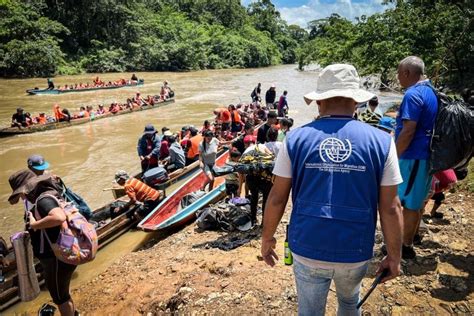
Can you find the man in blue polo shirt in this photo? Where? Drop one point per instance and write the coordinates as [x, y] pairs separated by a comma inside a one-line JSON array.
[[340, 171], [415, 123]]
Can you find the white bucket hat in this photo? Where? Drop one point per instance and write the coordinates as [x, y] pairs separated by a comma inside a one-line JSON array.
[[338, 80]]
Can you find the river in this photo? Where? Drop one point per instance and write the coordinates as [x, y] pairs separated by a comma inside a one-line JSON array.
[[87, 156]]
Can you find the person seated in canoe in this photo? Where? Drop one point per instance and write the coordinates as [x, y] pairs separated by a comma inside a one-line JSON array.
[[149, 148], [134, 77], [97, 81], [176, 159], [138, 193], [101, 110], [114, 107], [41, 118], [138, 99], [192, 146], [19, 119], [150, 100], [165, 148], [61, 115], [81, 113], [50, 84]]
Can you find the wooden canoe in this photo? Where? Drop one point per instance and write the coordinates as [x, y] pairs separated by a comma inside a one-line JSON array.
[[10, 131], [56, 91], [174, 177], [169, 213], [107, 231]]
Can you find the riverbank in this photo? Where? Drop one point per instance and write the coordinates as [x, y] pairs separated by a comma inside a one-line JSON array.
[[189, 273]]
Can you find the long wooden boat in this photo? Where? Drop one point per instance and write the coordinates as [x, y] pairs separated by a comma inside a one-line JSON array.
[[169, 212], [10, 131], [107, 231], [174, 177], [138, 83]]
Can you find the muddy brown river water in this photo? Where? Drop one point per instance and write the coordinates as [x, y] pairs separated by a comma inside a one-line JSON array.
[[87, 156]]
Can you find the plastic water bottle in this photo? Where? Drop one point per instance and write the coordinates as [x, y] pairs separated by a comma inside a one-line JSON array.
[[288, 256]]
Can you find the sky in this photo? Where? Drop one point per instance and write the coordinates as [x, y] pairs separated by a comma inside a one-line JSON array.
[[300, 12]]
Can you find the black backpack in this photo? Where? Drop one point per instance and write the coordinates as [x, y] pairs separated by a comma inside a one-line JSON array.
[[452, 142]]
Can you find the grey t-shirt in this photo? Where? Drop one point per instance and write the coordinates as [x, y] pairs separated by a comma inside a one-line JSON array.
[[209, 155]]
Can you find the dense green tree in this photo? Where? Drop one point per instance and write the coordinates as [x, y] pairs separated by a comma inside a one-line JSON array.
[[29, 42], [440, 32]]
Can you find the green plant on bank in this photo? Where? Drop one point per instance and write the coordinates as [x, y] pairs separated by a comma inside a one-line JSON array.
[[468, 183], [439, 31]]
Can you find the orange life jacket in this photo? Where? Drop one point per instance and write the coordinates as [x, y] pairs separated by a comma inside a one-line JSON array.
[[236, 117], [194, 149], [57, 113]]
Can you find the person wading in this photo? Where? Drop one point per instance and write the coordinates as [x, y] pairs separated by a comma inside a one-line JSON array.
[[340, 171], [270, 97], [415, 123], [149, 148]]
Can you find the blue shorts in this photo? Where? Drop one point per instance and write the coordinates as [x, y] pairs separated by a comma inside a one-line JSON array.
[[416, 183]]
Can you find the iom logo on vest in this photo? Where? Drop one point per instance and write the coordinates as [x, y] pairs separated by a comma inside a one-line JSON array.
[[335, 150]]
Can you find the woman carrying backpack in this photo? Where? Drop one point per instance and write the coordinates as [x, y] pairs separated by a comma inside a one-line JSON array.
[[47, 215]]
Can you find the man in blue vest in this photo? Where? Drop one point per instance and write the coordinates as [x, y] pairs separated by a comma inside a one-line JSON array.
[[415, 123], [340, 171]]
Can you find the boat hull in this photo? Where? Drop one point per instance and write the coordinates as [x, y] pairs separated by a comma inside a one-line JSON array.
[[56, 91], [11, 131], [106, 233], [168, 213]]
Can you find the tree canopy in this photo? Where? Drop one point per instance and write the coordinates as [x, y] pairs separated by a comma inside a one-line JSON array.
[[439, 31], [46, 37]]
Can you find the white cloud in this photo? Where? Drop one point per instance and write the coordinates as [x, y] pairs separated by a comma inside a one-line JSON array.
[[315, 9]]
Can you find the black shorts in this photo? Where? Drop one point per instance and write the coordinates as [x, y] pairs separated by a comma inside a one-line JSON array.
[[236, 127], [57, 275], [225, 127]]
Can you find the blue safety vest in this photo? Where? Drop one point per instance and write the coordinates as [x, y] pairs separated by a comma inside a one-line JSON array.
[[337, 165]]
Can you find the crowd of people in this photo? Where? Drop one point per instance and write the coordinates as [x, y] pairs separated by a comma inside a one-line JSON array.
[[96, 83], [22, 119], [342, 172]]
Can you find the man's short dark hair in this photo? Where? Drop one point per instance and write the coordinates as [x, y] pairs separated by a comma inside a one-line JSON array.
[[235, 153], [272, 134], [248, 126], [285, 92], [272, 114]]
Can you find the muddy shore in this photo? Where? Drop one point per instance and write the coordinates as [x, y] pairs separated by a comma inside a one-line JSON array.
[[189, 272]]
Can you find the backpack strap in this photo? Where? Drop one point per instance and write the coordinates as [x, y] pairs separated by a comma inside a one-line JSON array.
[[37, 215]]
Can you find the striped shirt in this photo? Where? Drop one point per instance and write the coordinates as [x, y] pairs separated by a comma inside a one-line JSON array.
[[139, 191]]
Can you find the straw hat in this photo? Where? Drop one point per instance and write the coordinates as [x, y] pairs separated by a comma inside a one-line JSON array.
[[338, 80]]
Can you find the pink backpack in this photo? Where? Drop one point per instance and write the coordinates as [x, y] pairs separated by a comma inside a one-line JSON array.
[[77, 241]]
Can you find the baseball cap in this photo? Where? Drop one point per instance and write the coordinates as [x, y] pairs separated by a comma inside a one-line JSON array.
[[386, 123], [37, 162]]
